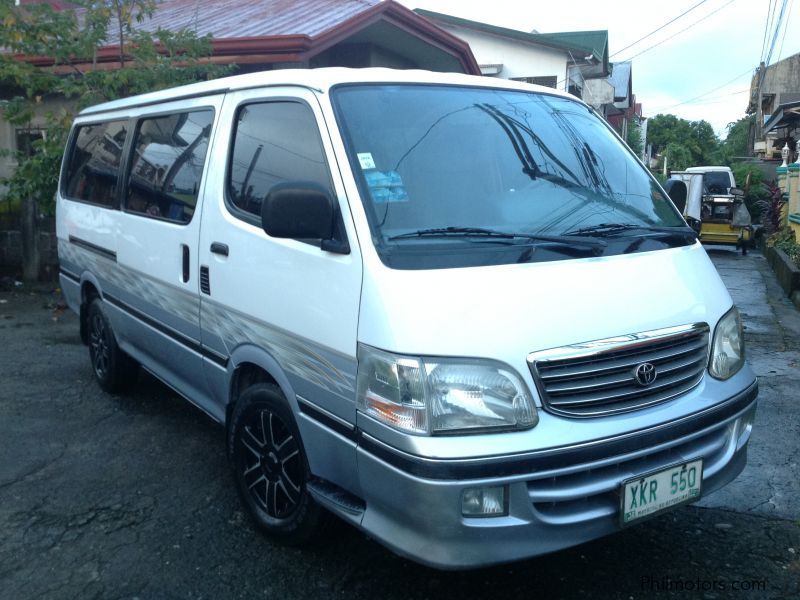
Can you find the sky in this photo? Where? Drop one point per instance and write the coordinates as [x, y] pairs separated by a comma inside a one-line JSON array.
[[701, 64]]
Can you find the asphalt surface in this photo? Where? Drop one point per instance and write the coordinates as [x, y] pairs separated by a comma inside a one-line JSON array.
[[130, 496]]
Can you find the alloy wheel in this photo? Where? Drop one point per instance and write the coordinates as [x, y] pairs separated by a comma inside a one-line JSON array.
[[98, 343], [271, 464]]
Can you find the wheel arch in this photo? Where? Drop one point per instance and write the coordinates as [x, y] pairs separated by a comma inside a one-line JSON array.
[[90, 289], [249, 364]]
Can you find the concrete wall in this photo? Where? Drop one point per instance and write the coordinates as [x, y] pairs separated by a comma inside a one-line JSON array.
[[11, 253], [518, 58], [597, 92], [782, 80]]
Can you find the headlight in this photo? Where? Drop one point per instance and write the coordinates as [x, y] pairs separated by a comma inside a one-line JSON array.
[[436, 395], [727, 350]]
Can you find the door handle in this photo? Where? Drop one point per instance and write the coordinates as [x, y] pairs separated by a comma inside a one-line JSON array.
[[219, 248], [185, 251]]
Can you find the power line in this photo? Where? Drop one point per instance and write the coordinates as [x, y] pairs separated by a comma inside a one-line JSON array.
[[785, 28], [775, 34], [723, 98], [660, 28], [699, 100], [739, 76], [687, 28], [767, 25]]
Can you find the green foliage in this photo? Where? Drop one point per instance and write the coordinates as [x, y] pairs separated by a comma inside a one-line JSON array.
[[679, 155], [751, 179], [145, 61], [784, 239], [634, 138], [697, 138], [736, 142], [772, 208]]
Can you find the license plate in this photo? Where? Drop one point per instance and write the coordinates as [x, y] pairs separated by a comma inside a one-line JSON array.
[[649, 494]]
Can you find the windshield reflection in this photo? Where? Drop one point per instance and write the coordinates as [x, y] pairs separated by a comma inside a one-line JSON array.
[[437, 157]]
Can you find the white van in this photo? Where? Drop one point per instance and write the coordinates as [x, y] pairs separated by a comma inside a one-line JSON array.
[[716, 180], [454, 311]]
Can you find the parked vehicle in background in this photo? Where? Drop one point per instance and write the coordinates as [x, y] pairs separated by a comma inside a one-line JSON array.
[[454, 311], [712, 204]]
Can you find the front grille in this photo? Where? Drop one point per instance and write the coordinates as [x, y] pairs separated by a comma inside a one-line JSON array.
[[591, 491], [599, 378]]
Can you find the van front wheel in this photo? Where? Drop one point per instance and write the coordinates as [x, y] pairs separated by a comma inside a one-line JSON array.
[[113, 369], [270, 467]]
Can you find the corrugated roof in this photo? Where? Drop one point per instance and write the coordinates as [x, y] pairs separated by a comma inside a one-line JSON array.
[[620, 78], [251, 18], [594, 42], [271, 31]]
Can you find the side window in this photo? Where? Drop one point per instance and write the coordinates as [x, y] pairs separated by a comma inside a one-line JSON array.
[[169, 154], [93, 166], [27, 139], [274, 142]]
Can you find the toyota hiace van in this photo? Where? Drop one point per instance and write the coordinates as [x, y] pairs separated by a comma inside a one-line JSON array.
[[457, 312]]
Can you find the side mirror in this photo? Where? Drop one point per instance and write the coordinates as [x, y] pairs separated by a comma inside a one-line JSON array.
[[677, 192], [300, 210], [735, 191]]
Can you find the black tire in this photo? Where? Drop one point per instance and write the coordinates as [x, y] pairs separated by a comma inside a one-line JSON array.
[[113, 369], [269, 466]]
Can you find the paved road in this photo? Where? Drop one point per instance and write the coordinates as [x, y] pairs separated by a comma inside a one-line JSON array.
[[129, 496]]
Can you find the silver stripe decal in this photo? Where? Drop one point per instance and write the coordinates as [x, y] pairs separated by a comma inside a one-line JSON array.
[[316, 364]]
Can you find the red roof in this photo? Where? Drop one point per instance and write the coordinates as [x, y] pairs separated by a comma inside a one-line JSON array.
[[267, 31], [252, 18]]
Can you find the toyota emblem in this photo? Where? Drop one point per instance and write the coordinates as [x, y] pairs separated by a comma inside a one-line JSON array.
[[645, 374]]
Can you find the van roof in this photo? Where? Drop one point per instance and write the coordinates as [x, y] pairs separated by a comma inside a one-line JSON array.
[[320, 80], [707, 169]]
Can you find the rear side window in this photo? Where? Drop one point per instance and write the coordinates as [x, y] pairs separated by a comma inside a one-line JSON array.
[[93, 166], [169, 155], [274, 142]]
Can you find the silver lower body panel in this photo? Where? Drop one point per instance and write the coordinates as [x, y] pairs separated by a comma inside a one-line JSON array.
[[558, 503]]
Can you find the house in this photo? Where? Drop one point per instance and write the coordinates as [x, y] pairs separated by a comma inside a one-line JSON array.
[[272, 34], [571, 61], [624, 110], [774, 99]]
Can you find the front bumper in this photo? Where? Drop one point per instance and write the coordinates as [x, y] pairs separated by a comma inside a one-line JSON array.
[[557, 497]]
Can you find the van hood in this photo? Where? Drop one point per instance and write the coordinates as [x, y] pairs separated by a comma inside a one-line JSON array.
[[506, 312]]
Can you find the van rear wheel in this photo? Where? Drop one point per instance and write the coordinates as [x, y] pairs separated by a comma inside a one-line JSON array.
[[113, 369], [269, 466]]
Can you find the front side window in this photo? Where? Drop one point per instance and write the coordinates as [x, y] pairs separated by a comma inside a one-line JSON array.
[[455, 176], [169, 154], [274, 142], [94, 161]]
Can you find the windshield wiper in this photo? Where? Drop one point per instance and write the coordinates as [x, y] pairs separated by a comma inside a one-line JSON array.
[[591, 244], [611, 229], [454, 231]]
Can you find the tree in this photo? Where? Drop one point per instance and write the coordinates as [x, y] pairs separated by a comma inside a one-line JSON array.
[[634, 138], [750, 178], [696, 137], [736, 144], [146, 61], [678, 156]]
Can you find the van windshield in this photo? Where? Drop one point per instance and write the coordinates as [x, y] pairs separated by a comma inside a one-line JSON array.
[[456, 176], [716, 182]]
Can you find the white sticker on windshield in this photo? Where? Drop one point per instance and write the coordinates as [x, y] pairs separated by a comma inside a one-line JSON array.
[[365, 159]]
